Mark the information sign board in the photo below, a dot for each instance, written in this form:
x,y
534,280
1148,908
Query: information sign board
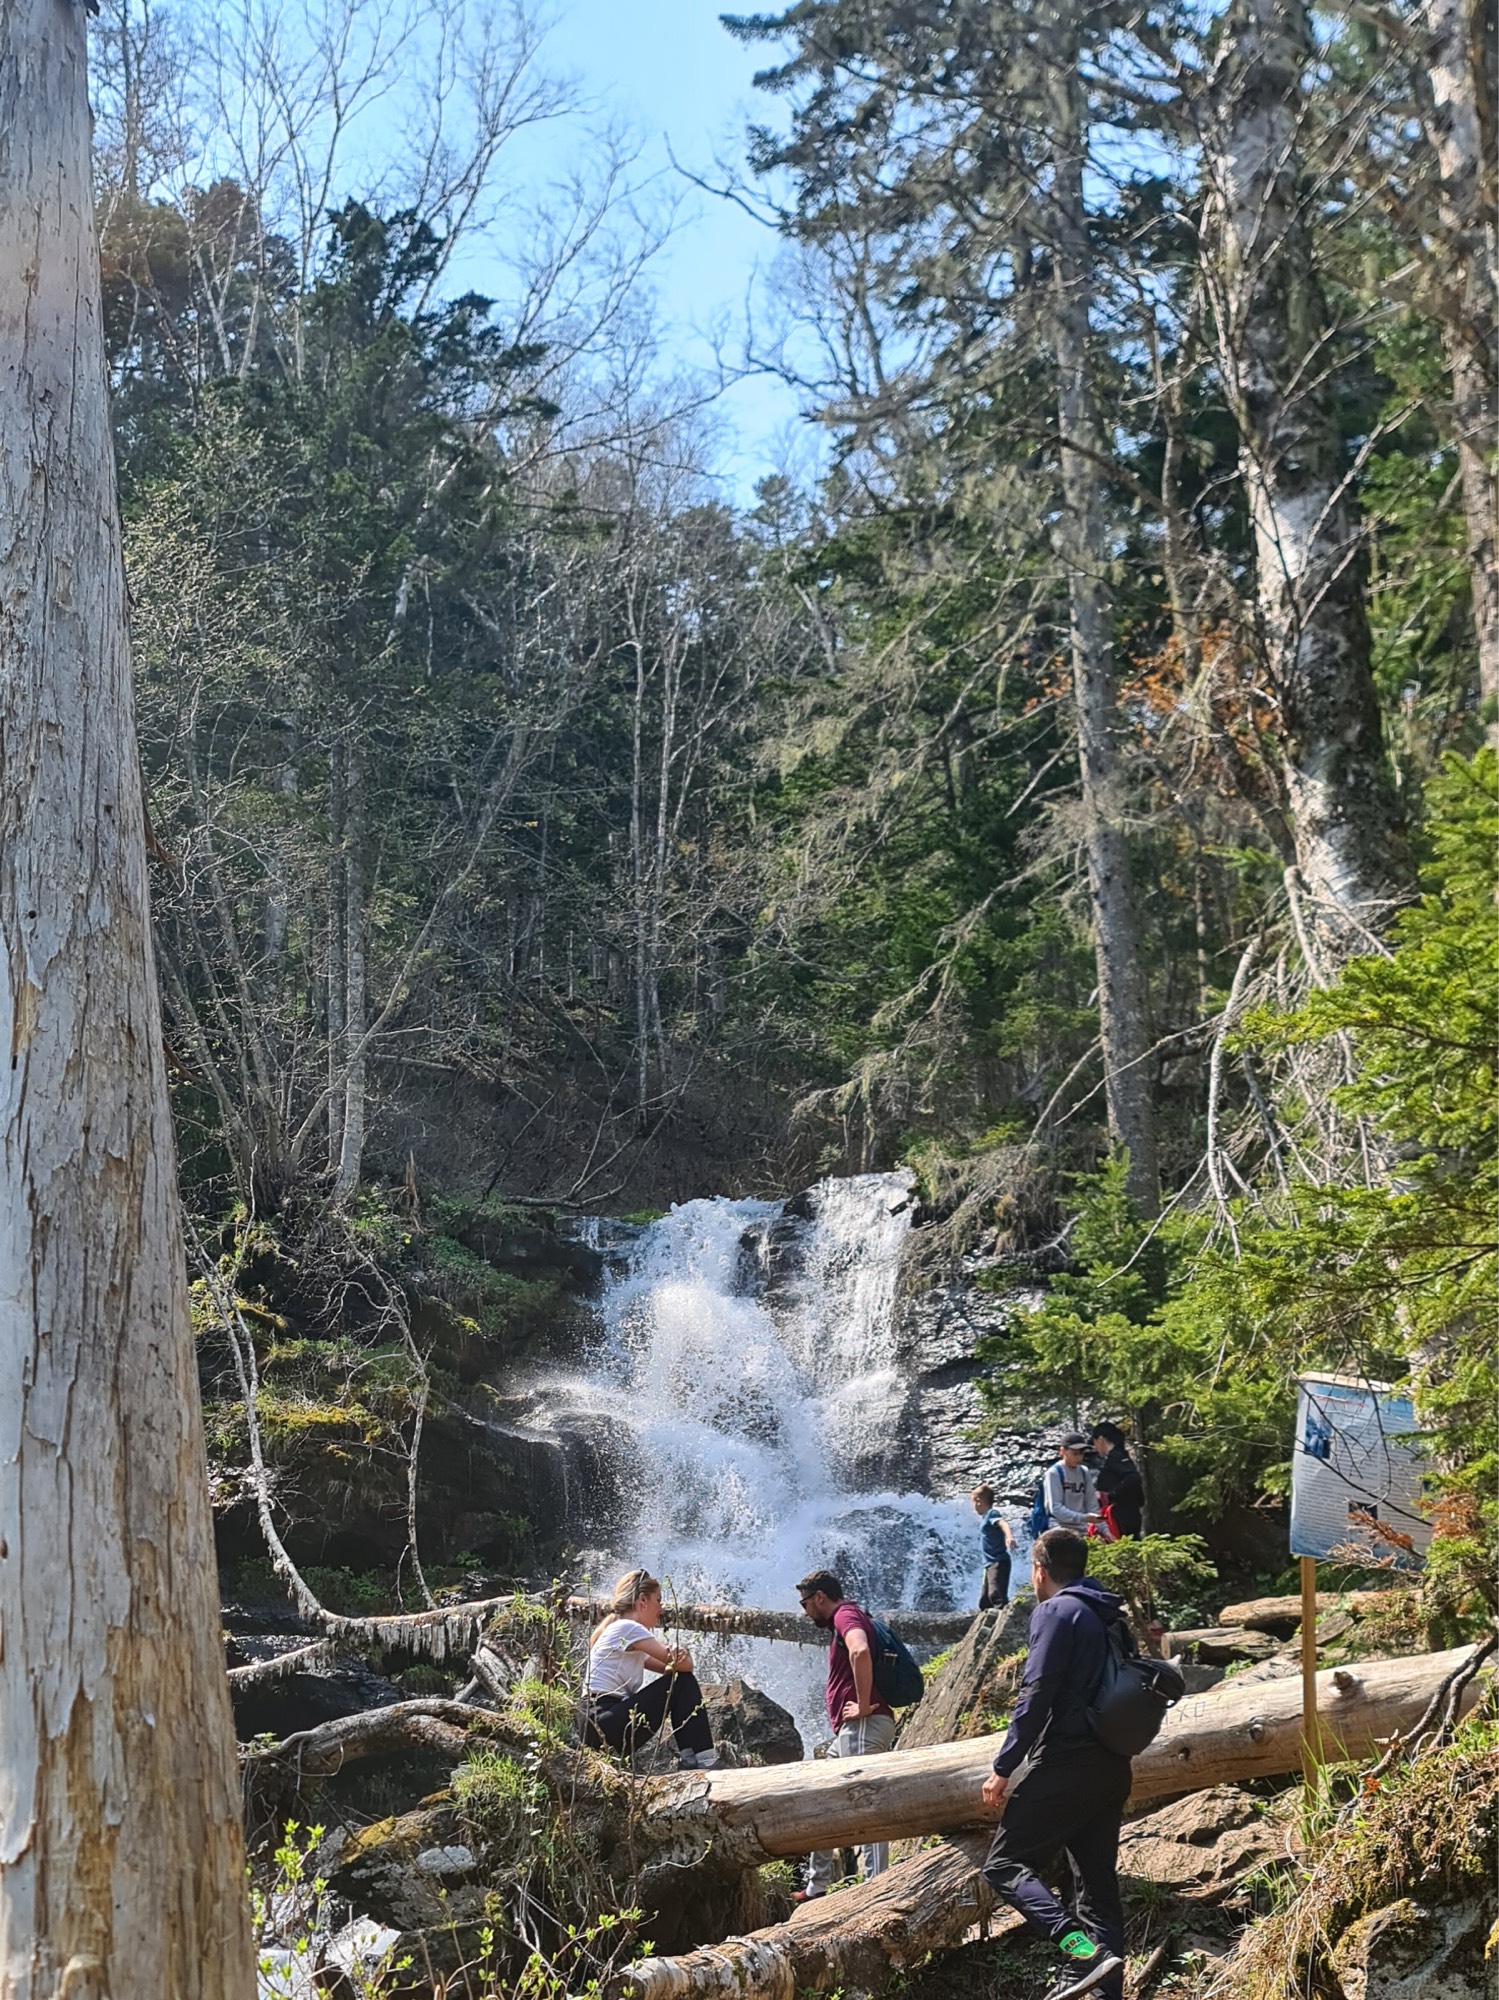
x,y
1356,1474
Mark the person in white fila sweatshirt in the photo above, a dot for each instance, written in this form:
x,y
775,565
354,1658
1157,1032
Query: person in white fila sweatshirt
x,y
1072,1487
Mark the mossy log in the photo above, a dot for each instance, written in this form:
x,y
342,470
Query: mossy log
x,y
1225,1736
454,1630
856,1940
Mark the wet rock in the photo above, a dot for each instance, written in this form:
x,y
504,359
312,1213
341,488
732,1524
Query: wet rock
x,y
346,1686
1406,1951
937,1330
757,1729
1201,1846
975,1684
450,1339
484,1489
532,1243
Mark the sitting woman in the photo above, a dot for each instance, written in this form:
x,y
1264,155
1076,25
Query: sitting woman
x,y
624,1708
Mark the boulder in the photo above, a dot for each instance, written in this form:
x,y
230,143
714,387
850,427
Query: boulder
x,y
1202,1845
757,1729
976,1683
1407,1951
413,1872
357,1958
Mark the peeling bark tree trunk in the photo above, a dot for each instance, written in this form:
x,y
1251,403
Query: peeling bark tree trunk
x,y
121,1864
1276,358
353,1082
860,1940
1453,104
1082,537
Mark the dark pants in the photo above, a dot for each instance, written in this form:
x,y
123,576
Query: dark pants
x,y
1069,1803
996,1591
622,1724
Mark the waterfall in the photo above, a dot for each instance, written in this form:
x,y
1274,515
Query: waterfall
x,y
745,1381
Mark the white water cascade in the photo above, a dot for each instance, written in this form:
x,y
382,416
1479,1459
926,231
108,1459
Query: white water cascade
x,y
746,1401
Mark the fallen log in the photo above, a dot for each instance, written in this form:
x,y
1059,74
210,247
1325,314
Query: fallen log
x,y
856,1940
1283,1614
736,1621
432,1724
1225,1736
301,1660
437,1636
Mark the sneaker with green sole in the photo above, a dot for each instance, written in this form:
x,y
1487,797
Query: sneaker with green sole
x,y
1090,1965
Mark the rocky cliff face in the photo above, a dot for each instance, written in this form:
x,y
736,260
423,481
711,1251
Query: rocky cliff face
x,y
938,1328
485,1292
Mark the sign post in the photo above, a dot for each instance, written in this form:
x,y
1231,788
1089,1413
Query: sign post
x,y
1355,1497
1311,1722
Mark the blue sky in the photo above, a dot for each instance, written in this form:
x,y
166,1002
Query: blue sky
x,y
671,72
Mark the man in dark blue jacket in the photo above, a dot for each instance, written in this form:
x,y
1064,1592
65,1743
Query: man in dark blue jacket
x,y
1060,1790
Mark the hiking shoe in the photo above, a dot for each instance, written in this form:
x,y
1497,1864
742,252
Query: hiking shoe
x,y
1090,1965
807,1895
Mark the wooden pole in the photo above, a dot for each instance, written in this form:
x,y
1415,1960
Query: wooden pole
x,y
1311,1728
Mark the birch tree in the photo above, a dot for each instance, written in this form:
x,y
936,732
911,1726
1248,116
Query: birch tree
x,y
1456,101
121,1865
1277,356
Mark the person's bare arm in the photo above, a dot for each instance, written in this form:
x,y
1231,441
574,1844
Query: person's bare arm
x,y
665,1659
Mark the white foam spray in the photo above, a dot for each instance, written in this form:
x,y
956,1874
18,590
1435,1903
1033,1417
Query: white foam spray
x,y
745,1418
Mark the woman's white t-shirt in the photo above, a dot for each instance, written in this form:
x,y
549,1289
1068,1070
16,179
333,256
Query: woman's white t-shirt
x,y
612,1670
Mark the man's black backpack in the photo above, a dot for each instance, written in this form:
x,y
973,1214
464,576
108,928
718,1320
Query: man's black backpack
x,y
897,1678
1134,1694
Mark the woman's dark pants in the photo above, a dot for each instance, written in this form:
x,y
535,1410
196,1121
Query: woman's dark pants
x,y
1070,1803
622,1723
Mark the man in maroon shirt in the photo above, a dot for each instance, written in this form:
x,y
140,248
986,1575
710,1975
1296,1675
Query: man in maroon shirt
x,y
862,1724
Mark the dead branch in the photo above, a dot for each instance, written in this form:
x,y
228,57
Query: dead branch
x,y
430,1724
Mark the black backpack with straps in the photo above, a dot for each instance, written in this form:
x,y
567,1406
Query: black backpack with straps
x,y
1134,1693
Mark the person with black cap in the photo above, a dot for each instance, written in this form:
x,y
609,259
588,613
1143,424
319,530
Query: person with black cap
x,y
1071,1487
1057,1785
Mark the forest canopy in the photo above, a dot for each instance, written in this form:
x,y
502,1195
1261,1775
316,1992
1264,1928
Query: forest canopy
x,y
1076,791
